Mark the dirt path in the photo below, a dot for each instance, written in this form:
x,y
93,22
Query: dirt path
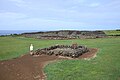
x,y
30,68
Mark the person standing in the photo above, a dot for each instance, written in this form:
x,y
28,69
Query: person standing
x,y
31,49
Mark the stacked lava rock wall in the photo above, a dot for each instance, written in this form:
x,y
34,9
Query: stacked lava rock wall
x,y
65,34
63,50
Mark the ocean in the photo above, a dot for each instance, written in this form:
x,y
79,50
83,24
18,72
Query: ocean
x,y
8,32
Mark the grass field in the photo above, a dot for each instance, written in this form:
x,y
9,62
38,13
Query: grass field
x,y
12,47
112,32
106,66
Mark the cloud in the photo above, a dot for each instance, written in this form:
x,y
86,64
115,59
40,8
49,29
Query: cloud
x,y
77,1
18,1
94,4
85,3
48,22
22,3
113,3
11,15
62,13
41,24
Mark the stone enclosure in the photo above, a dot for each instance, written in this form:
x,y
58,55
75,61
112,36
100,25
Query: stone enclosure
x,y
73,51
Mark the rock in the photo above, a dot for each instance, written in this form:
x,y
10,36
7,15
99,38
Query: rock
x,y
63,50
65,34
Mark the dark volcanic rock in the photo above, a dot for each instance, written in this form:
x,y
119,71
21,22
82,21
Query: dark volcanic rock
x,y
65,34
73,51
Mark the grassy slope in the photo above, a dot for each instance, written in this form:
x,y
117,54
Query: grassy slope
x,y
112,32
105,67
12,47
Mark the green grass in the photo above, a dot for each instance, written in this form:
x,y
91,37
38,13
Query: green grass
x,y
12,47
106,66
112,32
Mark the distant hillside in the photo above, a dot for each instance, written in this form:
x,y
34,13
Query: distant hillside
x,y
112,32
65,34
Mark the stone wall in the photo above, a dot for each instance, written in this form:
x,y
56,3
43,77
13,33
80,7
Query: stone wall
x,y
65,34
73,50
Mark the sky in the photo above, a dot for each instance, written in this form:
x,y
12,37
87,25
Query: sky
x,y
59,14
